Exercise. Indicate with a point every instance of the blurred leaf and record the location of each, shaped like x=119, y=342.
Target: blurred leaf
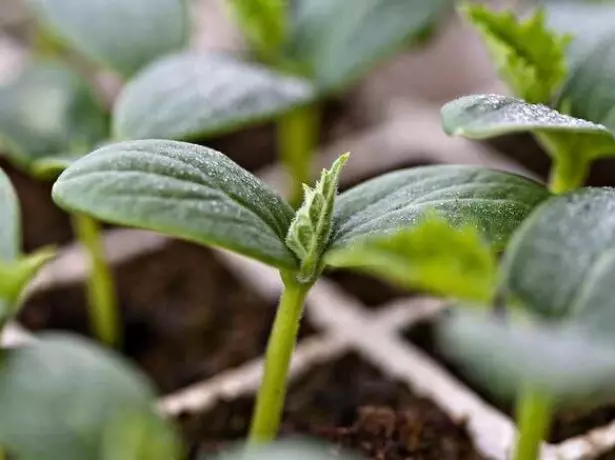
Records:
x=10, y=220
x=264, y=22
x=493, y=202
x=192, y=96
x=47, y=111
x=310, y=230
x=561, y=261
x=63, y=398
x=338, y=41
x=284, y=450
x=432, y=255
x=487, y=116
x=183, y=190
x=529, y=57
x=124, y=35
x=569, y=364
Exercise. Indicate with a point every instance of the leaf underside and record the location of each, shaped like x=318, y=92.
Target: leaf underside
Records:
x=183, y=190
x=123, y=35
x=561, y=262
x=506, y=357
x=493, y=202
x=65, y=385
x=192, y=96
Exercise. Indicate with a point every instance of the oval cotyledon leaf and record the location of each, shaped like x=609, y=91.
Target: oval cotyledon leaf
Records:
x=182, y=190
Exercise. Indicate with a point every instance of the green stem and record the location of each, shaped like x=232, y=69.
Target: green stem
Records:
x=533, y=422
x=272, y=392
x=101, y=294
x=298, y=135
x=569, y=170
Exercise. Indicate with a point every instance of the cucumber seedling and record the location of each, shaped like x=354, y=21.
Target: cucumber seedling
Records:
x=306, y=51
x=195, y=193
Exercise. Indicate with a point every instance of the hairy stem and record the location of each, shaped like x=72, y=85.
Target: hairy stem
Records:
x=101, y=294
x=298, y=133
x=272, y=392
x=533, y=422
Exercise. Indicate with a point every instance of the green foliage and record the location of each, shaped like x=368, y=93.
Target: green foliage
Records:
x=191, y=95
x=529, y=57
x=560, y=263
x=64, y=398
x=264, y=22
x=196, y=193
x=10, y=226
x=569, y=364
x=49, y=116
x=310, y=230
x=183, y=190
x=494, y=202
x=283, y=450
x=431, y=255
x=124, y=35
x=335, y=42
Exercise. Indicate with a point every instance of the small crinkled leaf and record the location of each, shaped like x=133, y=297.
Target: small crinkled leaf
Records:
x=61, y=397
x=264, y=23
x=122, y=34
x=431, y=255
x=284, y=450
x=337, y=41
x=48, y=110
x=14, y=277
x=492, y=201
x=561, y=262
x=309, y=232
x=196, y=95
x=489, y=115
x=529, y=57
x=564, y=361
x=183, y=190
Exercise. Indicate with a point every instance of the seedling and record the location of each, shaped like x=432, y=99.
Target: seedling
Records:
x=95, y=405
x=49, y=115
x=198, y=194
x=308, y=50
x=532, y=60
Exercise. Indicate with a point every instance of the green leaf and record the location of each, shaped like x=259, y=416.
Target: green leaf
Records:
x=182, y=190
x=338, y=41
x=487, y=116
x=124, y=35
x=494, y=202
x=63, y=398
x=569, y=364
x=529, y=57
x=264, y=22
x=283, y=450
x=48, y=110
x=309, y=232
x=10, y=220
x=193, y=96
x=561, y=261
x=431, y=255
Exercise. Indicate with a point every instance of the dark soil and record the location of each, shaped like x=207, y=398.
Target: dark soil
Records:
x=565, y=424
x=350, y=405
x=186, y=317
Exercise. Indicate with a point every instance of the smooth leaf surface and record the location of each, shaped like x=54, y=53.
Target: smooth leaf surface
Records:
x=494, y=202
x=48, y=110
x=10, y=220
x=487, y=116
x=63, y=398
x=122, y=34
x=570, y=364
x=561, y=262
x=337, y=41
x=183, y=190
x=529, y=57
x=432, y=255
x=191, y=95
